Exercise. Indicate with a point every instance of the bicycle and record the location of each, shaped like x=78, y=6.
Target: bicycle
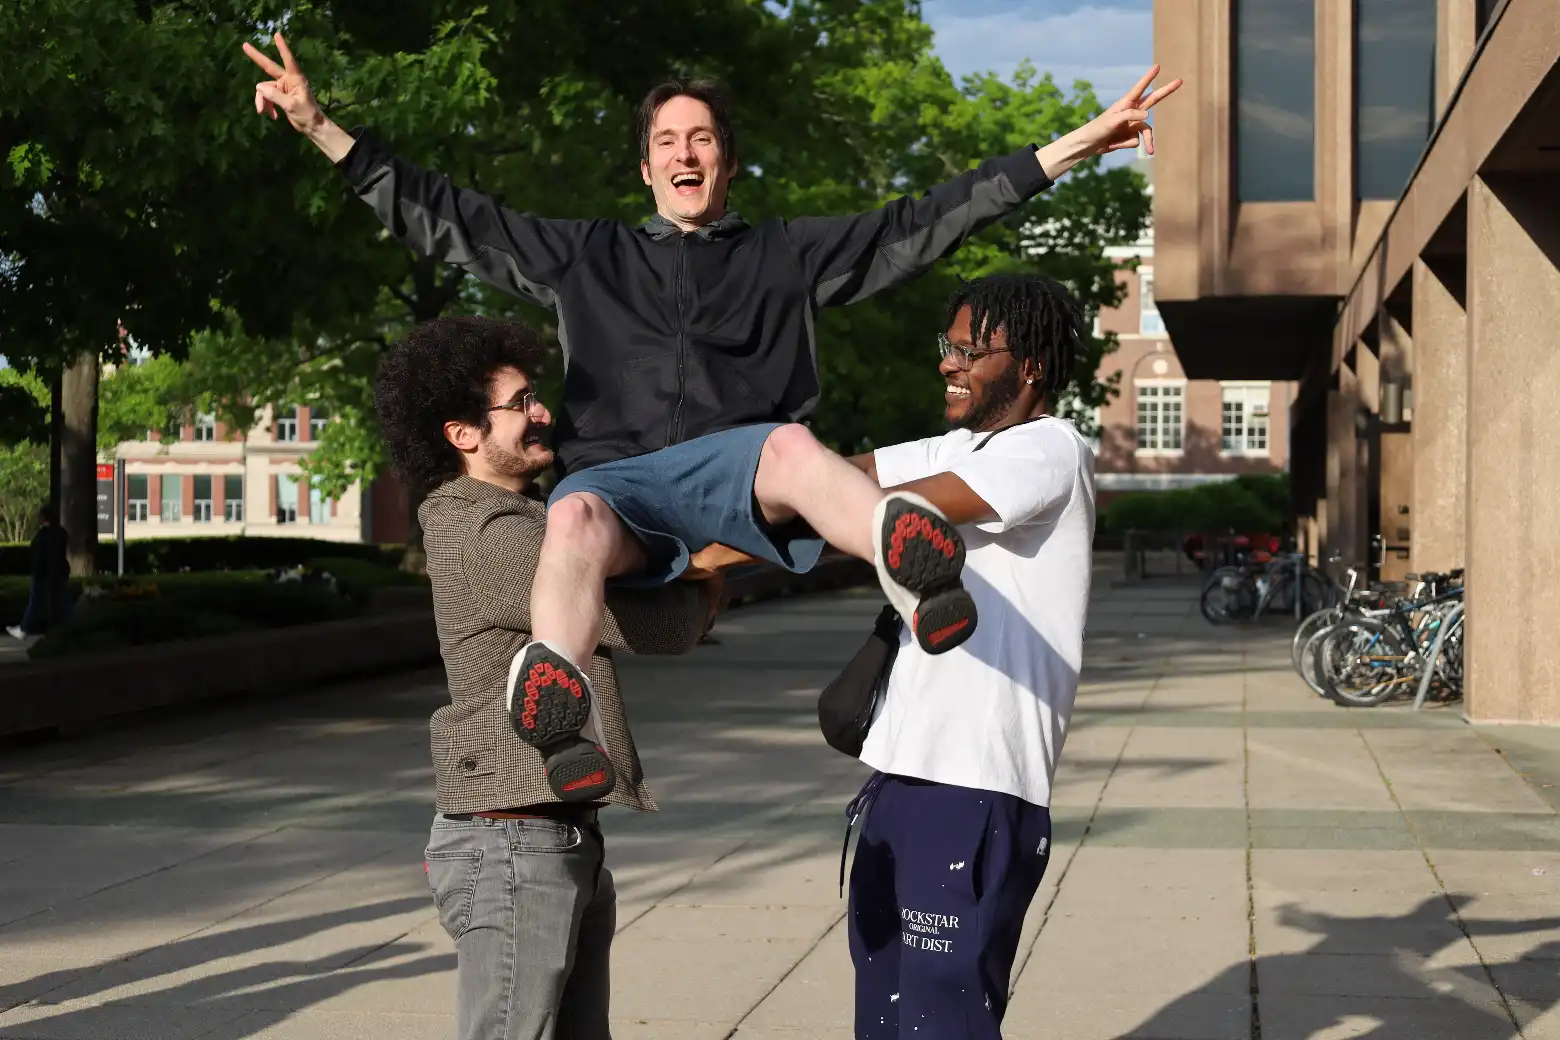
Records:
x=1233, y=594
x=1348, y=599
x=1363, y=660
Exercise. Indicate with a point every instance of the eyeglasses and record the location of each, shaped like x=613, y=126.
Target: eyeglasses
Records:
x=964, y=357
x=528, y=404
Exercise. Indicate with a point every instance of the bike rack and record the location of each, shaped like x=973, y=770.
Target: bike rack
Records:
x=1435, y=655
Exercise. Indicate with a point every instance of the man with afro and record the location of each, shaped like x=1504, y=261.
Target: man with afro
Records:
x=517, y=874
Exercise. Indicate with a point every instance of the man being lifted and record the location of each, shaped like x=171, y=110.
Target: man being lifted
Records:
x=689, y=359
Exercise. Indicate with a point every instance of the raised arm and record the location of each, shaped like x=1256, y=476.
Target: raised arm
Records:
x=516, y=252
x=846, y=259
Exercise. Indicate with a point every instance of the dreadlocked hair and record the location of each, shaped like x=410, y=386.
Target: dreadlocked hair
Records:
x=1041, y=319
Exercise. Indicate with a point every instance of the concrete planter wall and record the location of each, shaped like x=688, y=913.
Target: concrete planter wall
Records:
x=395, y=633
x=72, y=692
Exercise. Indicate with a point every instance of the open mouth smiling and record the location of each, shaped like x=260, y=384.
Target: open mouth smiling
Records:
x=687, y=183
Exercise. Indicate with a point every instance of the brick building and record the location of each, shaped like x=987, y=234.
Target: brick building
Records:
x=1165, y=430
x=1373, y=183
x=209, y=482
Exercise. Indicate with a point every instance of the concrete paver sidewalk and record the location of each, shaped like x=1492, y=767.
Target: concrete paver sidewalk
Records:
x=1234, y=857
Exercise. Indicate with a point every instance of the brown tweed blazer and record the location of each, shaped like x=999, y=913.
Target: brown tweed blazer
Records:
x=483, y=542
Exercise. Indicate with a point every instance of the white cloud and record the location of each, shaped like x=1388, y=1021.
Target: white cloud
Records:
x=1108, y=45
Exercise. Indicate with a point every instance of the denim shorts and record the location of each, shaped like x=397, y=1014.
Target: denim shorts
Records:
x=682, y=498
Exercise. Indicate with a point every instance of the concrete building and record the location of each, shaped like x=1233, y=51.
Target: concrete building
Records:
x=1373, y=183
x=210, y=482
x=1165, y=430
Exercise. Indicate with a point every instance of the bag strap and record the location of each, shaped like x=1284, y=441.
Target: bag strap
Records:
x=987, y=439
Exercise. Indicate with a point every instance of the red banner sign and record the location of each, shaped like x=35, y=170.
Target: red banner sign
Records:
x=105, y=471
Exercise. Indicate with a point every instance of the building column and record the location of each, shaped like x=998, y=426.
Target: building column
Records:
x=1440, y=429
x=1513, y=492
x=1345, y=514
x=1395, y=488
x=1456, y=25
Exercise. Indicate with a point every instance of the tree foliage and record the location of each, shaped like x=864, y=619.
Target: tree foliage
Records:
x=24, y=488
x=24, y=408
x=224, y=239
x=24, y=461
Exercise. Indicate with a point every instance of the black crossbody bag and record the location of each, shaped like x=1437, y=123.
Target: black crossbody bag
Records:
x=846, y=705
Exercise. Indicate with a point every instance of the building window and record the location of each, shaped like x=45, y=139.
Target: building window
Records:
x=1275, y=100
x=1159, y=417
x=287, y=425
x=1394, y=92
x=202, y=503
x=319, y=507
x=318, y=419
x=286, y=500
x=1244, y=424
x=1149, y=321
x=172, y=499
x=135, y=504
x=205, y=427
x=233, y=498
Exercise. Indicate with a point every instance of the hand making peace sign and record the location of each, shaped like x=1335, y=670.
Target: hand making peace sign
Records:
x=287, y=90
x=1120, y=125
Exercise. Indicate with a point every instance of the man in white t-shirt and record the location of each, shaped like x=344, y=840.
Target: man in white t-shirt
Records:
x=965, y=743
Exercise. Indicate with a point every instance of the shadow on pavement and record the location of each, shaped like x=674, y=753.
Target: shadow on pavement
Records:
x=261, y=992
x=1371, y=977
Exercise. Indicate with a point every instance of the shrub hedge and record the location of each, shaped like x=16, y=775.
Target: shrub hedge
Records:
x=137, y=613
x=1258, y=503
x=192, y=604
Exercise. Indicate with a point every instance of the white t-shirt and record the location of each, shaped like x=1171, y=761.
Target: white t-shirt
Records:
x=992, y=714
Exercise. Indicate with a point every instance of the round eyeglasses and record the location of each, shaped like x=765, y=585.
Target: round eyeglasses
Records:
x=964, y=357
x=529, y=405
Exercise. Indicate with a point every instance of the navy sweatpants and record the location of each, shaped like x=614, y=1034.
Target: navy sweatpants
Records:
x=941, y=881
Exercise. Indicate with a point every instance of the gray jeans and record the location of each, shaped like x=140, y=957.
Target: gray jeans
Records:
x=532, y=911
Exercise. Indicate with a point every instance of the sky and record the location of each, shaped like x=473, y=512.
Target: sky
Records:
x=1107, y=42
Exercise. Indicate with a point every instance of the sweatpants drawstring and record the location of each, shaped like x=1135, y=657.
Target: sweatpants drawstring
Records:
x=858, y=805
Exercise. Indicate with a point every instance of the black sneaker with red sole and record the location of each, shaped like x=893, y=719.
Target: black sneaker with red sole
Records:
x=919, y=562
x=549, y=703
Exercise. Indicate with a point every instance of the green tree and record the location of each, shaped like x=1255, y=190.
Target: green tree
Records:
x=881, y=383
x=24, y=461
x=130, y=200
x=881, y=118
x=24, y=408
x=24, y=489
x=135, y=398
x=840, y=107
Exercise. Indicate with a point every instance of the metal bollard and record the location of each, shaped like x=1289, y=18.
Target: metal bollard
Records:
x=1435, y=655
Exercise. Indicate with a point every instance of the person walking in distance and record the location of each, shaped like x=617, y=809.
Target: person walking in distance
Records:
x=690, y=359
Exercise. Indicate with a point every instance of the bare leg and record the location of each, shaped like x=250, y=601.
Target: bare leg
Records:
x=798, y=476
x=585, y=545
x=923, y=554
